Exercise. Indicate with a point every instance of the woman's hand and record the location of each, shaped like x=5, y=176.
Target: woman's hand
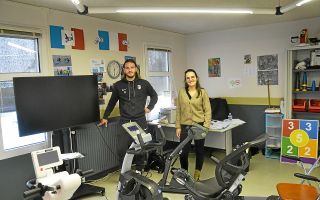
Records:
x=178, y=132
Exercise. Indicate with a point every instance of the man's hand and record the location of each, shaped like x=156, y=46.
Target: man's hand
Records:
x=103, y=122
x=147, y=110
x=178, y=132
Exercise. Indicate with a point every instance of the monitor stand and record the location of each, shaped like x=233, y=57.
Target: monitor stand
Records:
x=84, y=189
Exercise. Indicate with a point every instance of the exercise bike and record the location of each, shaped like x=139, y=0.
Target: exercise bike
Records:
x=49, y=185
x=173, y=186
x=133, y=185
x=229, y=173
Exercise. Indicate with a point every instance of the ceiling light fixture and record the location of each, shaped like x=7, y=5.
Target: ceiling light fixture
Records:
x=303, y=2
x=183, y=10
x=168, y=10
x=293, y=5
x=83, y=9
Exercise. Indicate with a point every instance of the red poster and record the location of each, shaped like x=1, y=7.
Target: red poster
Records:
x=79, y=39
x=123, y=42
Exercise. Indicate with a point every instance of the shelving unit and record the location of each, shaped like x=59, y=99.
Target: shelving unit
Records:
x=313, y=73
x=273, y=125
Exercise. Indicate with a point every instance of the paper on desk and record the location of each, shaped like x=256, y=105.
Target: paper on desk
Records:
x=70, y=156
x=237, y=122
x=218, y=125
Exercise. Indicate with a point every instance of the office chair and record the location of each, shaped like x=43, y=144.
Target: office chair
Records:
x=294, y=191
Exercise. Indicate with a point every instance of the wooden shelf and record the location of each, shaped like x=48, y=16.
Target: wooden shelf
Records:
x=300, y=53
x=307, y=70
x=307, y=47
x=306, y=92
x=306, y=113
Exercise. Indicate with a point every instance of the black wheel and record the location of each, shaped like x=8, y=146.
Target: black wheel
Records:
x=239, y=189
x=188, y=197
x=144, y=193
x=227, y=196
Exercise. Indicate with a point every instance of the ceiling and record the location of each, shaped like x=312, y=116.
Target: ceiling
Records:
x=189, y=23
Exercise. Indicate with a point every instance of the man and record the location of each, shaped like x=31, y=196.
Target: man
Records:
x=132, y=93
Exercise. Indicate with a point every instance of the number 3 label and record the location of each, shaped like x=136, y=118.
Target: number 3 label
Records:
x=291, y=126
x=308, y=128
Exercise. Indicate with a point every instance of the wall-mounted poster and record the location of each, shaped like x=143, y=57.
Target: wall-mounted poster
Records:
x=56, y=36
x=247, y=59
x=98, y=68
x=97, y=65
x=268, y=69
x=63, y=71
x=129, y=57
x=61, y=61
x=62, y=65
x=234, y=83
x=214, y=67
x=67, y=38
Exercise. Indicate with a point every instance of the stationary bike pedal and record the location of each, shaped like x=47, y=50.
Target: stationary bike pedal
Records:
x=188, y=197
x=173, y=170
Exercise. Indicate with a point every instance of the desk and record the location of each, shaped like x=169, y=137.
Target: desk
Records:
x=216, y=138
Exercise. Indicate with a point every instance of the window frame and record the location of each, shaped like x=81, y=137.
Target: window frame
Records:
x=41, y=35
x=169, y=74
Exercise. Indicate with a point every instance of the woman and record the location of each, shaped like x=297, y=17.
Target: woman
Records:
x=193, y=105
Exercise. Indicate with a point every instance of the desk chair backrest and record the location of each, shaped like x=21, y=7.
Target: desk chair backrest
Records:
x=219, y=108
x=234, y=164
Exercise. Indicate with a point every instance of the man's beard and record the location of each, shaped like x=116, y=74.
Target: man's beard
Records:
x=128, y=76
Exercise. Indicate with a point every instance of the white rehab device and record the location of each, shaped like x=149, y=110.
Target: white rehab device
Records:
x=44, y=160
x=134, y=129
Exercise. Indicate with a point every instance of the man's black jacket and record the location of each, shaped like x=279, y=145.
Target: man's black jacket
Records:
x=132, y=96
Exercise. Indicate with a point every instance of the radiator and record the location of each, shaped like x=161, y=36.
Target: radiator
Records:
x=100, y=155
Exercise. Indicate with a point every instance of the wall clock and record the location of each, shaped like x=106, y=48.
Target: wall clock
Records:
x=114, y=69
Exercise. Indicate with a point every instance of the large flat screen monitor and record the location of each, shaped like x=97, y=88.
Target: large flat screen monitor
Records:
x=52, y=103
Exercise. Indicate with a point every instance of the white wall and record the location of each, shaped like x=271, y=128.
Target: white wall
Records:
x=20, y=15
x=231, y=45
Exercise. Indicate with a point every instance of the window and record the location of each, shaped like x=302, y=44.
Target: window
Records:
x=159, y=74
x=19, y=54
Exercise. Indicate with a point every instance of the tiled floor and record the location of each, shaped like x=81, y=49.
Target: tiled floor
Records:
x=261, y=180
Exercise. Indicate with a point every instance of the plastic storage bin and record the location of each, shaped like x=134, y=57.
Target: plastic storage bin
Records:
x=299, y=105
x=272, y=153
x=273, y=142
x=273, y=131
x=273, y=120
x=314, y=105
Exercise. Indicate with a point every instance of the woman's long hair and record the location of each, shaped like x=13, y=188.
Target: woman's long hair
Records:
x=198, y=87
